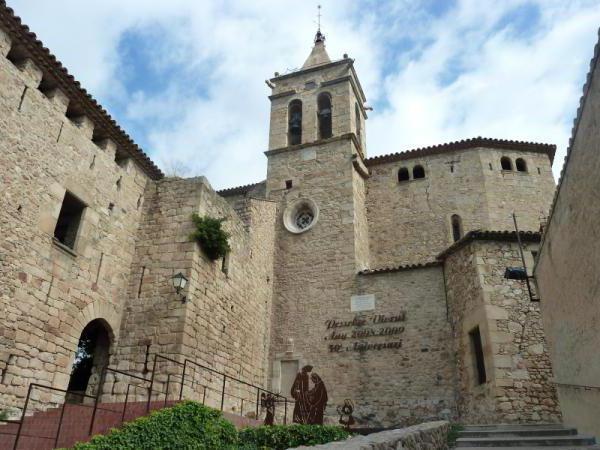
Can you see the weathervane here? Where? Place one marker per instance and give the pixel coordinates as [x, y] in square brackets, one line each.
[319, 37]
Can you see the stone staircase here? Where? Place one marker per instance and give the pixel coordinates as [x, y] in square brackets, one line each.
[40, 430]
[542, 436]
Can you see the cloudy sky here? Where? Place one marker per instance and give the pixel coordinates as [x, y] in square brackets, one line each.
[186, 78]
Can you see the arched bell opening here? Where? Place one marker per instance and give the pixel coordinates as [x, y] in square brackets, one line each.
[91, 357]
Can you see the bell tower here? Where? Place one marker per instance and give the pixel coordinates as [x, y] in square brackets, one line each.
[316, 175]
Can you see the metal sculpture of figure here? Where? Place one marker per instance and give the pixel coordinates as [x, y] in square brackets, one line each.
[317, 398]
[345, 411]
[310, 403]
[268, 402]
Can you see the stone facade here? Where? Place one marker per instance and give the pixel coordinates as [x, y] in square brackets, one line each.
[568, 266]
[334, 261]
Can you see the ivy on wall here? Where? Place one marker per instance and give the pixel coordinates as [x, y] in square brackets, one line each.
[211, 237]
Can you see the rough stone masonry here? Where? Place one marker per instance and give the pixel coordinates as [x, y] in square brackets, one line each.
[378, 272]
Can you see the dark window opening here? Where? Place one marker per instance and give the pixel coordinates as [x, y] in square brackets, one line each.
[69, 220]
[403, 174]
[477, 349]
[456, 227]
[288, 184]
[225, 264]
[418, 172]
[506, 163]
[357, 114]
[295, 122]
[539, 171]
[451, 168]
[521, 165]
[324, 115]
[491, 168]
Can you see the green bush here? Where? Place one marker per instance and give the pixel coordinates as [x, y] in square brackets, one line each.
[285, 436]
[210, 235]
[188, 425]
[453, 433]
[3, 414]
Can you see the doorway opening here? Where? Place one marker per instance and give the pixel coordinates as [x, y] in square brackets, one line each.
[91, 357]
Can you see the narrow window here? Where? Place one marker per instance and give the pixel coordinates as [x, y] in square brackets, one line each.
[69, 220]
[539, 171]
[506, 163]
[418, 172]
[457, 231]
[295, 122]
[225, 264]
[324, 115]
[403, 174]
[288, 184]
[477, 350]
[357, 114]
[491, 168]
[521, 165]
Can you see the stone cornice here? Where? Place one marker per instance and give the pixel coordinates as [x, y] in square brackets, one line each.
[478, 142]
[312, 69]
[282, 94]
[490, 235]
[358, 94]
[47, 62]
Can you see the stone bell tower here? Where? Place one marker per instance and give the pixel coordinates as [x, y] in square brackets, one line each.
[317, 176]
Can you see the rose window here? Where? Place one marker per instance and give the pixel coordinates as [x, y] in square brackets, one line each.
[304, 219]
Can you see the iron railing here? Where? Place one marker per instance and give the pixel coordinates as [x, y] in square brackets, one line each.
[149, 391]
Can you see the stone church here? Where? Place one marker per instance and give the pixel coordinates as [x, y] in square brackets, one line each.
[398, 278]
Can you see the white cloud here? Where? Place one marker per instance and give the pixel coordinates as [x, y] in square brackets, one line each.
[461, 76]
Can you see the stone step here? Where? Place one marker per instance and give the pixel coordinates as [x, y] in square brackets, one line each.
[521, 431]
[554, 447]
[521, 426]
[527, 441]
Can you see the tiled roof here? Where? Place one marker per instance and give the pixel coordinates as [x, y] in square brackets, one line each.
[21, 35]
[549, 149]
[490, 235]
[238, 190]
[399, 268]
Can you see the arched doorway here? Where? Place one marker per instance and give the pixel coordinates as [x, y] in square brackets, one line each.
[91, 357]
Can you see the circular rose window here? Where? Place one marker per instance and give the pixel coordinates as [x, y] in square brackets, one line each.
[300, 215]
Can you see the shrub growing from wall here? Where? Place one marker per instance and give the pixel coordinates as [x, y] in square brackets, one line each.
[211, 237]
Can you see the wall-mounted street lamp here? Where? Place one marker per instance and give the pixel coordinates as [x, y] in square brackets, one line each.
[179, 281]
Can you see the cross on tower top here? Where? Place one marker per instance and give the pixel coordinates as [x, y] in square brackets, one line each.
[319, 37]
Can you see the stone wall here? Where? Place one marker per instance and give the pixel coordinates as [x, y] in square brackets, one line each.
[568, 267]
[224, 323]
[518, 386]
[49, 292]
[426, 436]
[410, 221]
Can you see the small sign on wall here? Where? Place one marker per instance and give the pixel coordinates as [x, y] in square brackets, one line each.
[362, 303]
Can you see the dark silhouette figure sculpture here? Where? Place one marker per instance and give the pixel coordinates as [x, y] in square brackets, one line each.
[310, 403]
[300, 395]
[345, 411]
[317, 398]
[268, 402]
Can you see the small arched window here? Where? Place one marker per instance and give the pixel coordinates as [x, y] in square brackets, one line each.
[295, 122]
[403, 174]
[324, 115]
[357, 116]
[506, 163]
[457, 230]
[521, 165]
[418, 172]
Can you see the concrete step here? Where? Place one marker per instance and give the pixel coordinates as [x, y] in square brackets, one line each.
[527, 441]
[518, 431]
[511, 426]
[569, 447]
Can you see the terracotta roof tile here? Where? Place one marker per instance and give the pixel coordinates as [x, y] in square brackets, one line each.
[46, 61]
[490, 235]
[549, 149]
[399, 268]
[238, 190]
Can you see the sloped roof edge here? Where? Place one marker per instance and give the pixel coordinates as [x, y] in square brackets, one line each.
[464, 144]
[490, 235]
[46, 61]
